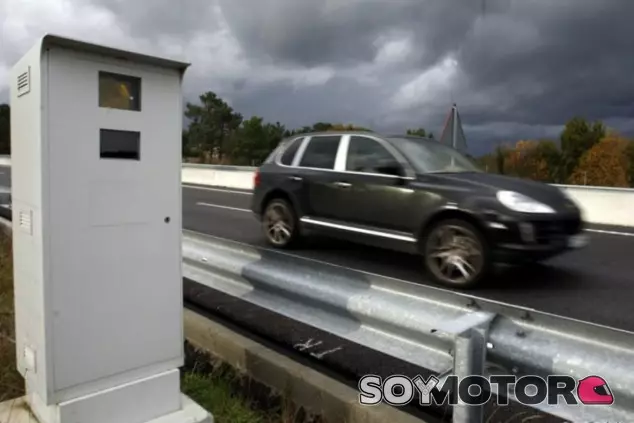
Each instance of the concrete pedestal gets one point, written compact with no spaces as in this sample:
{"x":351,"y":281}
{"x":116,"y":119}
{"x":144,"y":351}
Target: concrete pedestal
{"x":18,"y":411}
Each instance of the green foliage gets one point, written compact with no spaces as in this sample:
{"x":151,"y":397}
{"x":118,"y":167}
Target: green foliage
{"x":578,"y":136}
{"x":420,"y":132}
{"x":212,"y":125}
{"x":546,"y":151}
{"x":500,"y":158}
{"x":254,"y":140}
{"x":5,"y":129}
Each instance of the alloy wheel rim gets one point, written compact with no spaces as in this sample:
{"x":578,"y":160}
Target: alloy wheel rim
{"x":454,"y":254}
{"x":278,"y":224}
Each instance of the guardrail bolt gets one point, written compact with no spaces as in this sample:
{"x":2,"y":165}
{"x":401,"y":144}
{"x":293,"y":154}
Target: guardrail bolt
{"x":520,"y":334}
{"x":526,"y":315}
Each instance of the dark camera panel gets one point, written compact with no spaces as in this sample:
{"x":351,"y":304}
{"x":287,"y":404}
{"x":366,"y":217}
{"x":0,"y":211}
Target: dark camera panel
{"x":115,"y":144}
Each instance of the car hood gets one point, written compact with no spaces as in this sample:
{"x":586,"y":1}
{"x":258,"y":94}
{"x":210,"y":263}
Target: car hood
{"x":539,"y":191}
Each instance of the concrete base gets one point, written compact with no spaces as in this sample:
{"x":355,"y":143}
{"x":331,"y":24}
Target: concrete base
{"x":18,"y":411}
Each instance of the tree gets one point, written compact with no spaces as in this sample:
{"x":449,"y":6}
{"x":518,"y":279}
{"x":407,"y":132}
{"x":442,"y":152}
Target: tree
{"x":321,"y":126}
{"x":605,"y":164}
{"x":500,"y":158}
{"x":254,"y":140}
{"x":629,"y":155}
{"x":578,"y":137}
{"x":348,"y":127}
{"x":420,"y":132}
{"x":536,"y":160}
{"x":212,"y":125}
{"x":5,"y":129}
{"x":548,"y":152}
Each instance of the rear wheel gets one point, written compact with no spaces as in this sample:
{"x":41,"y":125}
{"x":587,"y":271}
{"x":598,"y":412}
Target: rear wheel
{"x":456,"y":253}
{"x":279,"y":223}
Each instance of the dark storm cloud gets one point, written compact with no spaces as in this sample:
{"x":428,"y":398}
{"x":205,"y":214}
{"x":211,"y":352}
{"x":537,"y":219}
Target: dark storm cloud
{"x":321,"y":32}
{"x":152,"y":18}
{"x":553,"y":62}
{"x":535,"y":61}
{"x":524,"y":66}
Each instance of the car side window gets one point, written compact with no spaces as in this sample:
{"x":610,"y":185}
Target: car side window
{"x":321,"y":152}
{"x":369,"y":156}
{"x":290,"y":150}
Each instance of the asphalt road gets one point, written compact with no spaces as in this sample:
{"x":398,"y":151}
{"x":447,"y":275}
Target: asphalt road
{"x":595,"y":284}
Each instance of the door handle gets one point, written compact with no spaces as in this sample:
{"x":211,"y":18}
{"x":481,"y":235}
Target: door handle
{"x":343,"y":184}
{"x":295,"y":178}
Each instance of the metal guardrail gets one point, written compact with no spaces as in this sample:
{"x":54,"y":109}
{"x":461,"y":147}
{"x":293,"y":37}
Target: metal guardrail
{"x":439,"y":330}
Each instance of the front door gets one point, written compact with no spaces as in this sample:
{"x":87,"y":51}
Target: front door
{"x":378,"y":195}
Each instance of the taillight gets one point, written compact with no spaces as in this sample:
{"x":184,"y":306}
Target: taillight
{"x":256,"y":178}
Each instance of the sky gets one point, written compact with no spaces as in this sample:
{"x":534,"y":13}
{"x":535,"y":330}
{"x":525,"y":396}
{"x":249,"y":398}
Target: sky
{"x":517,"y":69}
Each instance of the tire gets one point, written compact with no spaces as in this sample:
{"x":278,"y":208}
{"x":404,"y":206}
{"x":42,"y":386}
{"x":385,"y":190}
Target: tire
{"x":460,"y":260}
{"x":279,"y":213}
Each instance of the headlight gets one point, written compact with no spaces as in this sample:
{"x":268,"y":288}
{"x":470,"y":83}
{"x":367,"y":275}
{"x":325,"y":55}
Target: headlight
{"x":521,"y":203}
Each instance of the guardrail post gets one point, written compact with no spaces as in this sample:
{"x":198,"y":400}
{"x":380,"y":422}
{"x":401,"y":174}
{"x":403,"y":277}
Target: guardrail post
{"x":469,"y":334}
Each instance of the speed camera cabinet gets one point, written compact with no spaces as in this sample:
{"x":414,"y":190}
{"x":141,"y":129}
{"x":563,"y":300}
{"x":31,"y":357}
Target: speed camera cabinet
{"x":96,"y":186}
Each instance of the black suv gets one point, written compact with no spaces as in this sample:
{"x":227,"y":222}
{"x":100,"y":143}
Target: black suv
{"x":411,"y":194}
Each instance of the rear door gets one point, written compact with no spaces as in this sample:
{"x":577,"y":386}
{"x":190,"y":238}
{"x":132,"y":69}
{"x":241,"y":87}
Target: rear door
{"x":314,"y":170}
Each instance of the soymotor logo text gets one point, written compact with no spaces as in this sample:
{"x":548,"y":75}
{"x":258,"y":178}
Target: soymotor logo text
{"x":399,"y":390}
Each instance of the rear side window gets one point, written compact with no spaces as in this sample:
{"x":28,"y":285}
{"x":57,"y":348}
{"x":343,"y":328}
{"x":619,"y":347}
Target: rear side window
{"x":291,"y":150}
{"x":273,"y":154}
{"x":321,"y":152}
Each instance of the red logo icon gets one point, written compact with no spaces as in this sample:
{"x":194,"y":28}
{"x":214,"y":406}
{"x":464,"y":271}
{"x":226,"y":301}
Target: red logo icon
{"x":594,"y":390}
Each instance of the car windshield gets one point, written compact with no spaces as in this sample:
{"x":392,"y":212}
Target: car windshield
{"x":433,"y":157}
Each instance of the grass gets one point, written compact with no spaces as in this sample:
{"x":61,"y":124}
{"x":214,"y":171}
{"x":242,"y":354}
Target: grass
{"x":219,"y":387}
{"x":217,"y":395}
{"x":215,"y":386}
{"x":11,"y":382}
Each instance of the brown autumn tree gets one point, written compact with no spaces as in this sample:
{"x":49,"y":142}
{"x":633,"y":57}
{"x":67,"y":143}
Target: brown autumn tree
{"x":605,"y":164}
{"x":525,"y":160}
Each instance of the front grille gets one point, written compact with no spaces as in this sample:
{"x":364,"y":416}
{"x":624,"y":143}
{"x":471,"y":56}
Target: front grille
{"x":547,"y":232}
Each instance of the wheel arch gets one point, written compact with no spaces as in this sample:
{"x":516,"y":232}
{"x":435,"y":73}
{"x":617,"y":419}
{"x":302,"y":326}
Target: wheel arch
{"x":445,"y":214}
{"x":274,"y":194}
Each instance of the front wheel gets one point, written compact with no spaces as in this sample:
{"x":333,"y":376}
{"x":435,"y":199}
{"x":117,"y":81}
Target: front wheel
{"x":279,"y":223}
{"x":456,"y":254}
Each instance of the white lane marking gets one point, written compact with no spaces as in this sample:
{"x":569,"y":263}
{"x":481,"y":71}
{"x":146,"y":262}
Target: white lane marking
{"x":228,"y":191}
{"x":600,"y":231}
{"x":223,"y":207}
